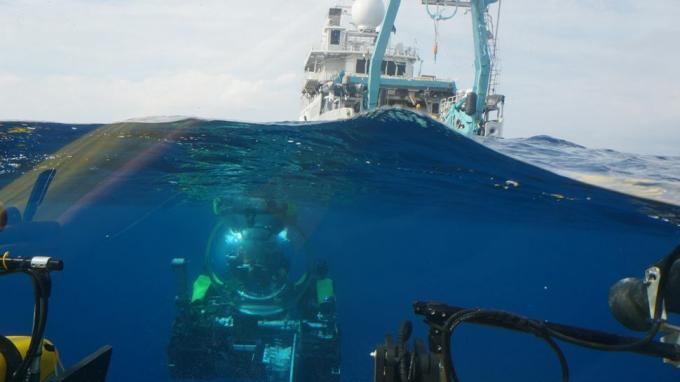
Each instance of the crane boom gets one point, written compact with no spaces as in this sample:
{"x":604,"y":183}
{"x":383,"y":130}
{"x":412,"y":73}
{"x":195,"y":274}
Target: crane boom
{"x":379,"y":53}
{"x":467,"y":115}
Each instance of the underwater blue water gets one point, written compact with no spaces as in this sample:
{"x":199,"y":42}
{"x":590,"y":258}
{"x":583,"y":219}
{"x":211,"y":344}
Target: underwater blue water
{"x":401,"y":208}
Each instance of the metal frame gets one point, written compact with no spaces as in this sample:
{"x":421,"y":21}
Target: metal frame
{"x":466,"y":124}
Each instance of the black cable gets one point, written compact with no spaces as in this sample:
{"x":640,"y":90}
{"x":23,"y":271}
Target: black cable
{"x":519,"y":323}
{"x":39,"y":324}
{"x":607,"y":347}
{"x":541,"y":330}
{"x":545,"y":335}
{"x":449,"y":327}
{"x":546,"y":331}
{"x":21,"y":371}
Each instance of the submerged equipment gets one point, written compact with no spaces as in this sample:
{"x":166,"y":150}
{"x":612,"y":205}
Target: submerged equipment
{"x":638,"y":305}
{"x":248,"y":315}
{"x":33,"y":358}
{"x":13,"y":350}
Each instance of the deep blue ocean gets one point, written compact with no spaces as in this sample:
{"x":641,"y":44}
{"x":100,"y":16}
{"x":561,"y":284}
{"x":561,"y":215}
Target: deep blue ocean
{"x":399,"y":207}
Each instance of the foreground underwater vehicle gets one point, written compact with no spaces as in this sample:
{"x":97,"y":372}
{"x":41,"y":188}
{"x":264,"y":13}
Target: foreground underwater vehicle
{"x":356,"y":69}
{"x":247,"y":318}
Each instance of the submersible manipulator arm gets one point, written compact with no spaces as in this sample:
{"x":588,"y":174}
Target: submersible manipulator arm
{"x":639,"y":304}
{"x":466,"y":119}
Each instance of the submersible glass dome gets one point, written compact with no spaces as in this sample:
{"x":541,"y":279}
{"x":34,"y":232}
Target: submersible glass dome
{"x":259,"y":261}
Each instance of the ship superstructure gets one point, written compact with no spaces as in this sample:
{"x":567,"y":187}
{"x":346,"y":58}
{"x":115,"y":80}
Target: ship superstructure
{"x":357,"y":68}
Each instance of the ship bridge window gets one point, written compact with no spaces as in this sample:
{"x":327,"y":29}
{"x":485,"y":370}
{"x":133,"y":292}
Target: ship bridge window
{"x":401,"y":68}
{"x":334,"y":15}
{"x":362,"y":66}
{"x":390,"y":68}
{"x":335,"y":37}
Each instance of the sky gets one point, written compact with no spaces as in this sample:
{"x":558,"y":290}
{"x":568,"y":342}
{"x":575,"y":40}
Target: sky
{"x":601,"y":73}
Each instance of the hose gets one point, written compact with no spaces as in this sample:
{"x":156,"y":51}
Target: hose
{"x":41,"y":293}
{"x":520,"y":323}
{"x":549,"y":334}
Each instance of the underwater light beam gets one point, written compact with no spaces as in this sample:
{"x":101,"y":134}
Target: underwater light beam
{"x":105,"y":186}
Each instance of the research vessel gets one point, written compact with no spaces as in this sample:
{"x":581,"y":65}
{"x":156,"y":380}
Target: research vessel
{"x":357,"y":68}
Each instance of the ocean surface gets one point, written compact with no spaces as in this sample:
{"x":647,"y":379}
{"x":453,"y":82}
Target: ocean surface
{"x":398,"y":206}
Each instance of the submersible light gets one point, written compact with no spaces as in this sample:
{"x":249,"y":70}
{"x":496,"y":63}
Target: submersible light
{"x":632,"y":301}
{"x":629,"y":304}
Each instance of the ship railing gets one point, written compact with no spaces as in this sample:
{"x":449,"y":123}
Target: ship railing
{"x":446,"y":104}
{"x":320,"y":76}
{"x":401,"y":52}
{"x":360,"y":48}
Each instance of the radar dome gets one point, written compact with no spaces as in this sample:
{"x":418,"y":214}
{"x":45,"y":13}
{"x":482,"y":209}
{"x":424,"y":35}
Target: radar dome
{"x":367,"y":14}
